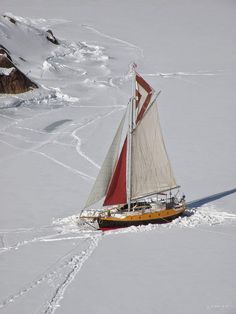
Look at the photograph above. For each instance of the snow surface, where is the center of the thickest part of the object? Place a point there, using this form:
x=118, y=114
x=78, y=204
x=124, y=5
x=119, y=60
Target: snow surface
x=53, y=141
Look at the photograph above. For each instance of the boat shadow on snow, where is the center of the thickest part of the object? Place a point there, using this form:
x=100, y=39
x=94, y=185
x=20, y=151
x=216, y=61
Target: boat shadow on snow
x=205, y=200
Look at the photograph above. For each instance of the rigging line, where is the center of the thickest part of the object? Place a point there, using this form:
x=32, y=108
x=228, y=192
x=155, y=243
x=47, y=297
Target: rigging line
x=155, y=193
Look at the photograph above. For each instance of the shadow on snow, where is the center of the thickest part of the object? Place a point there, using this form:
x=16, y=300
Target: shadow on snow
x=210, y=198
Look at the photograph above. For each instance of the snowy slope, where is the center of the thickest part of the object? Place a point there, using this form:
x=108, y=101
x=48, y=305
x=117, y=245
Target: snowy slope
x=53, y=140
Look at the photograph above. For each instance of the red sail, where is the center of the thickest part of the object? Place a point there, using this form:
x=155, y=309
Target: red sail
x=144, y=94
x=116, y=193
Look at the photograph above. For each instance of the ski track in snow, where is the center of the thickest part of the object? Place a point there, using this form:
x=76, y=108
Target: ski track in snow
x=78, y=139
x=71, y=51
x=71, y=260
x=68, y=230
x=39, y=145
x=94, y=30
x=76, y=262
x=36, y=151
x=19, y=137
x=177, y=74
x=80, y=173
x=183, y=76
x=9, y=118
x=54, y=237
x=25, y=242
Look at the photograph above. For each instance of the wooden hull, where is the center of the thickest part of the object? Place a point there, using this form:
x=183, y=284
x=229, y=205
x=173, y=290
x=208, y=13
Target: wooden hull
x=159, y=217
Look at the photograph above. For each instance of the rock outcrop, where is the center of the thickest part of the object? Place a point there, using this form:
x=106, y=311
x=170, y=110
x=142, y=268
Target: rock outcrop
x=4, y=51
x=11, y=19
x=51, y=37
x=12, y=80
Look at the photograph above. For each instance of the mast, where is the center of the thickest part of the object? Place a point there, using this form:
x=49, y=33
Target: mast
x=131, y=113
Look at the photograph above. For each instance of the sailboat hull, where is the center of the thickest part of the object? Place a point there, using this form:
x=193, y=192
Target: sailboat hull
x=160, y=217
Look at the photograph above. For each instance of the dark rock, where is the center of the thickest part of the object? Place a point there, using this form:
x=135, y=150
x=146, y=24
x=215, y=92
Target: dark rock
x=5, y=62
x=10, y=19
x=4, y=48
x=4, y=51
x=22, y=59
x=15, y=82
x=51, y=37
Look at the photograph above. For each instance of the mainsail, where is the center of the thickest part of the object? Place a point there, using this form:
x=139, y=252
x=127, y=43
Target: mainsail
x=142, y=167
x=150, y=167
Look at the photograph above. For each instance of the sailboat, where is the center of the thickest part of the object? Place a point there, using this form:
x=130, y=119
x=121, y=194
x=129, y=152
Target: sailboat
x=136, y=181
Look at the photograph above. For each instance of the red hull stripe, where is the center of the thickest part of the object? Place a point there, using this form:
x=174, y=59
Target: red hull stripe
x=108, y=229
x=117, y=189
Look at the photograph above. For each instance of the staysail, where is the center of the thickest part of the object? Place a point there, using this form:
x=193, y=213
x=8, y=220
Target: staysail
x=116, y=193
x=104, y=176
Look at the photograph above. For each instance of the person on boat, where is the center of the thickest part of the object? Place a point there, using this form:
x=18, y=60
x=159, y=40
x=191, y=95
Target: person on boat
x=171, y=203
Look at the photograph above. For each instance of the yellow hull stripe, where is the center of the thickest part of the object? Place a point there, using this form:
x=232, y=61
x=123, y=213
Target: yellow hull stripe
x=162, y=214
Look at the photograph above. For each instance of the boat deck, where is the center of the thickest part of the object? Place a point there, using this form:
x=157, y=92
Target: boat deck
x=119, y=218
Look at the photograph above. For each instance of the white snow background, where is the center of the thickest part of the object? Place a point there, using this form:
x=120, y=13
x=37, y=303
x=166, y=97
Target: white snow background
x=53, y=141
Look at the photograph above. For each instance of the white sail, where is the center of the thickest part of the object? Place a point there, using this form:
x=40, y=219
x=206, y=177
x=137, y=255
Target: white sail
x=104, y=176
x=150, y=167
